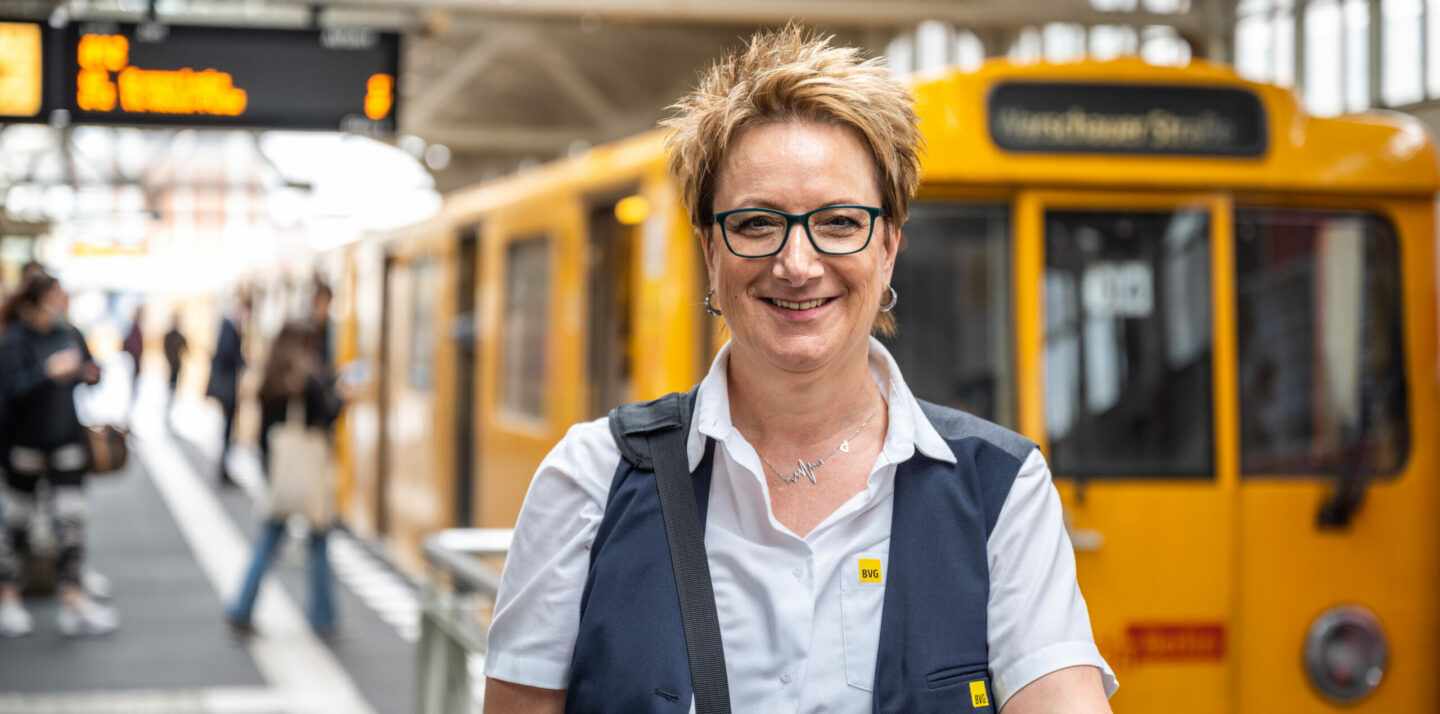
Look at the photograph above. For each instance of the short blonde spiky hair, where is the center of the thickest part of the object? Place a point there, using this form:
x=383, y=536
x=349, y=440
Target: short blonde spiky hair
x=791, y=74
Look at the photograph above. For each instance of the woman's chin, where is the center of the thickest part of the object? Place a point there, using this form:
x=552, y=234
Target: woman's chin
x=799, y=354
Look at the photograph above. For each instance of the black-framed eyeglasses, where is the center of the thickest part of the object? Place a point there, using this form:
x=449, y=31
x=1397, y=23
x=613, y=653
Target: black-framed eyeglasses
x=762, y=232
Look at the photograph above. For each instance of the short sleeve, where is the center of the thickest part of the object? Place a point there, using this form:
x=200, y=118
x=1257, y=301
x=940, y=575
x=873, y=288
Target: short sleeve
x=1038, y=622
x=537, y=610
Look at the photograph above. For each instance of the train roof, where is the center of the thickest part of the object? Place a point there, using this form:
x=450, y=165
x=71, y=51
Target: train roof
x=1067, y=126
x=1376, y=152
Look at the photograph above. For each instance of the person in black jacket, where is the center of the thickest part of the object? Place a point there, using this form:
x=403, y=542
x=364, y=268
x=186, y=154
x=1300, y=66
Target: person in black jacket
x=134, y=345
x=224, y=384
x=293, y=374
x=43, y=359
x=175, y=348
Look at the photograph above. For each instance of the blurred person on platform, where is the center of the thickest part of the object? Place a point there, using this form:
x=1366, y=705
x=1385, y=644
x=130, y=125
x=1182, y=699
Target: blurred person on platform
x=30, y=270
x=175, y=348
x=134, y=346
x=4, y=430
x=224, y=385
x=43, y=359
x=293, y=375
x=851, y=549
x=320, y=316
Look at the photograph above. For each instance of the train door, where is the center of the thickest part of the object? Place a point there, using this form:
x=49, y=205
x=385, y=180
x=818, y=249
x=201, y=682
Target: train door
x=463, y=334
x=416, y=482
x=1337, y=408
x=611, y=295
x=1120, y=357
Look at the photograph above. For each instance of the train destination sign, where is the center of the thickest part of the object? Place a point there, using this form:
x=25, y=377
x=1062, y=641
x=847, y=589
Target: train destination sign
x=337, y=79
x=1062, y=117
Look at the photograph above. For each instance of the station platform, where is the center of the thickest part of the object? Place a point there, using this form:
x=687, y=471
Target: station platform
x=173, y=545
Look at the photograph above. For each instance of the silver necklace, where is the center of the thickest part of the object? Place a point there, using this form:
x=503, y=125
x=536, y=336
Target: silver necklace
x=808, y=469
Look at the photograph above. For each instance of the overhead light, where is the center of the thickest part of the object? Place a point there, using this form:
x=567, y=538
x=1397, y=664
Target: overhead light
x=437, y=156
x=412, y=145
x=632, y=210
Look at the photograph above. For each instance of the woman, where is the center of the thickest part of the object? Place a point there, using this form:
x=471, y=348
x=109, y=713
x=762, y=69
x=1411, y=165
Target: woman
x=293, y=374
x=866, y=553
x=43, y=359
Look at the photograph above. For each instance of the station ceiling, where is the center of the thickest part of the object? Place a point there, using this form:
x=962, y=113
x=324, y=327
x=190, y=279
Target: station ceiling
x=504, y=83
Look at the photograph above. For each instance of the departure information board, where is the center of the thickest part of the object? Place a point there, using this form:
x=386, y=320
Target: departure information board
x=336, y=79
x=22, y=71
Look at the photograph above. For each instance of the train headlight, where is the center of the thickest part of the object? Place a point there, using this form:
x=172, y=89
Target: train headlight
x=1346, y=654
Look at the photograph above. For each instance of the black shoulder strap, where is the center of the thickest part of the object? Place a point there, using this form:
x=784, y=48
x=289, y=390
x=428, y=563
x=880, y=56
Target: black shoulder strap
x=663, y=424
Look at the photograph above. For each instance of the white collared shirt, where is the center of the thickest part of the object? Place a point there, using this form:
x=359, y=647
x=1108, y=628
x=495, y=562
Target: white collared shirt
x=800, y=632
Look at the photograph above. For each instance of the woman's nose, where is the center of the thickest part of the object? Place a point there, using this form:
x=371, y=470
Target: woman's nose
x=798, y=261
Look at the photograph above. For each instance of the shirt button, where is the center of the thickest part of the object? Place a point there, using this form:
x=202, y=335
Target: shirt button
x=799, y=571
x=785, y=677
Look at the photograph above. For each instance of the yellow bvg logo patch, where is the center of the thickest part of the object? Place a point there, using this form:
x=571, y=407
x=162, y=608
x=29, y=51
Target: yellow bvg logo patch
x=870, y=571
x=978, y=695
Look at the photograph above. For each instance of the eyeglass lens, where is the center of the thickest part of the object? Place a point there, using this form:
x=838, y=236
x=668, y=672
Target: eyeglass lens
x=834, y=230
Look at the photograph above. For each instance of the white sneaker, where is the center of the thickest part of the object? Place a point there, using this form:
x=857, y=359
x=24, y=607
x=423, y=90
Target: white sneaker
x=96, y=584
x=87, y=618
x=14, y=620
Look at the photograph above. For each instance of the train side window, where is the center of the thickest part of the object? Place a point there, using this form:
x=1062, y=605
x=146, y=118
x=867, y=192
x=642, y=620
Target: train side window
x=1322, y=385
x=954, y=345
x=419, y=370
x=524, y=350
x=1128, y=383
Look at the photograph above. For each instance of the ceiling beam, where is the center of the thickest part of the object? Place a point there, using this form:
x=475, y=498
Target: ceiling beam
x=419, y=112
x=833, y=13
x=509, y=139
x=575, y=86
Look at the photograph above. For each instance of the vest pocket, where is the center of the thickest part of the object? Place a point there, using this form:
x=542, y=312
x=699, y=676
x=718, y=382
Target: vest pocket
x=861, y=604
x=970, y=684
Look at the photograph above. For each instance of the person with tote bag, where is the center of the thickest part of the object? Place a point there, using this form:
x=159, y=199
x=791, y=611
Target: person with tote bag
x=298, y=403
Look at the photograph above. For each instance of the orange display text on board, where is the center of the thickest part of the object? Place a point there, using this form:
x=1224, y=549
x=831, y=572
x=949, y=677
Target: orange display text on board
x=149, y=91
x=379, y=96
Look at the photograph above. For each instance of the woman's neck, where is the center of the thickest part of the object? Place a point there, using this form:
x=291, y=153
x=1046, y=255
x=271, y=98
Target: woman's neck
x=36, y=321
x=771, y=405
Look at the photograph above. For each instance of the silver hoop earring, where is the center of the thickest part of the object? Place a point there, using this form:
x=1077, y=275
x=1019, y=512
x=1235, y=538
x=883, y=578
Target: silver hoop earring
x=894, y=299
x=708, y=307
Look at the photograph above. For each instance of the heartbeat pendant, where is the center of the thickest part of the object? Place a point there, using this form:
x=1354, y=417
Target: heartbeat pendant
x=806, y=470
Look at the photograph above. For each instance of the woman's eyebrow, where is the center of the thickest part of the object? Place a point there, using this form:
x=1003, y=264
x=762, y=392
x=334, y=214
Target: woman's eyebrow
x=765, y=203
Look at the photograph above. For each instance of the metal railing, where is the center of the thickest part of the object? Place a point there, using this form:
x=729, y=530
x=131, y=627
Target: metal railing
x=452, y=637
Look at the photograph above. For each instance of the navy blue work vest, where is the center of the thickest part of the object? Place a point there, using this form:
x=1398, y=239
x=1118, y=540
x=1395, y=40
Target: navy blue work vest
x=933, y=656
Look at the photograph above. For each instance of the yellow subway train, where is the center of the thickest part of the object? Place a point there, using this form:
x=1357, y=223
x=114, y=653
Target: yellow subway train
x=1216, y=315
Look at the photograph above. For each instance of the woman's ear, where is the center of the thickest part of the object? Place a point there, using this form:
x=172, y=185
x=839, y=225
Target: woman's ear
x=892, y=243
x=705, y=247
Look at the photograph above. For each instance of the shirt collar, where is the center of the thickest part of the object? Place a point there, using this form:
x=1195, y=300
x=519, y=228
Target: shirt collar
x=909, y=429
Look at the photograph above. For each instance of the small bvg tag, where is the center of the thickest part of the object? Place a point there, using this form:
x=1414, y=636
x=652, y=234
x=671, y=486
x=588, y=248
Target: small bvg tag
x=978, y=695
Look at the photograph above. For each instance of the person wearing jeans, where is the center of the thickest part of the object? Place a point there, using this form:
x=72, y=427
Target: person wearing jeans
x=294, y=373
x=321, y=611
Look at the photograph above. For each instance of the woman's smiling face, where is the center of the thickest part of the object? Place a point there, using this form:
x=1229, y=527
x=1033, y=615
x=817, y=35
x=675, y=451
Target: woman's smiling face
x=799, y=310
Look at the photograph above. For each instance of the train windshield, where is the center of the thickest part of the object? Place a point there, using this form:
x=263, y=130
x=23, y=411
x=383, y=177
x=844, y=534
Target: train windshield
x=1128, y=383
x=1322, y=384
x=955, y=344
